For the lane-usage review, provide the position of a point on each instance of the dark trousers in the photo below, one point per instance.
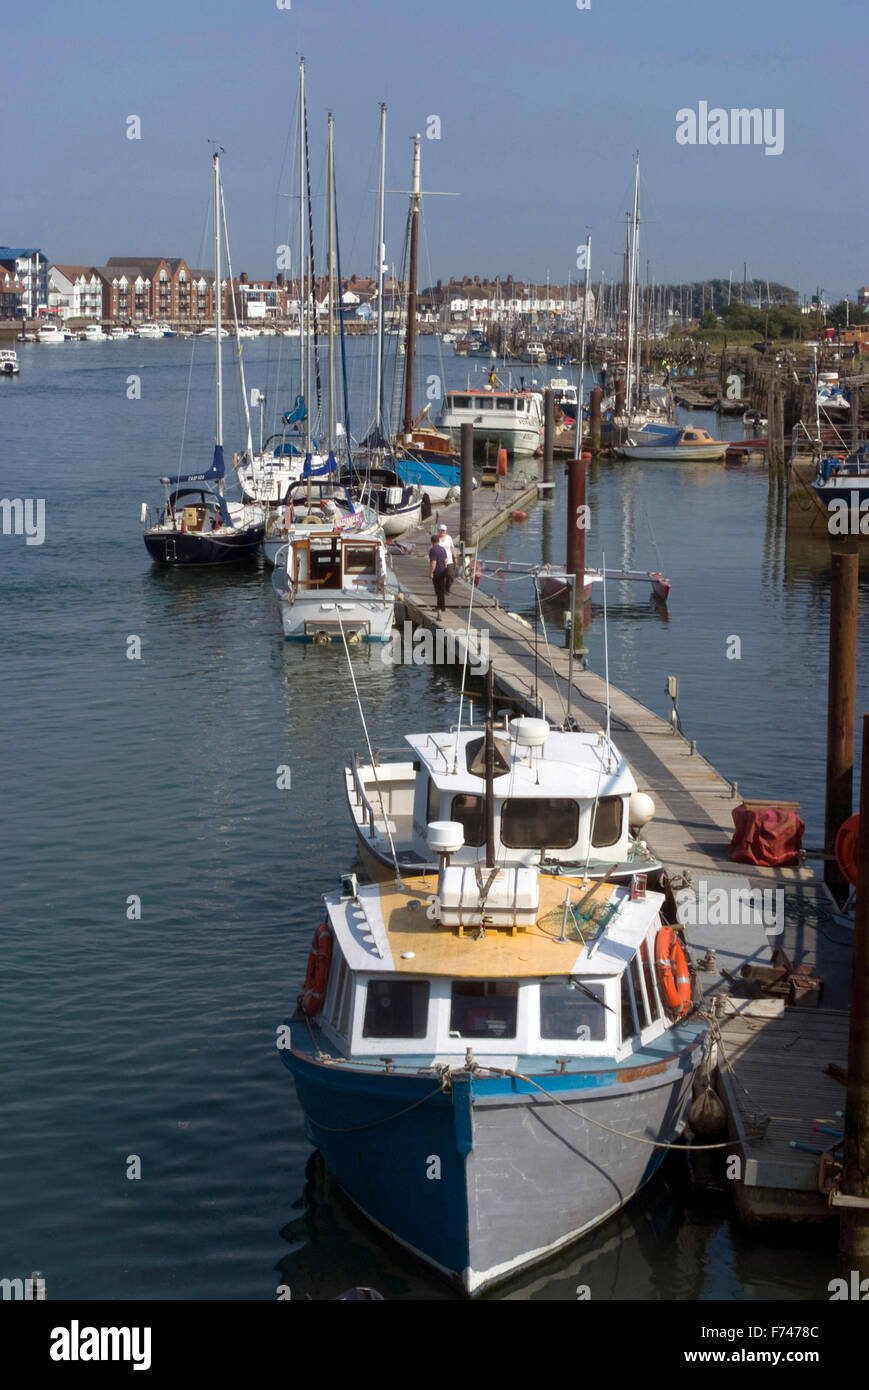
(440, 588)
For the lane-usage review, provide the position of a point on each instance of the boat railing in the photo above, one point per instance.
(361, 796)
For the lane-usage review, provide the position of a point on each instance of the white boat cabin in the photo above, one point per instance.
(580, 981)
(562, 798)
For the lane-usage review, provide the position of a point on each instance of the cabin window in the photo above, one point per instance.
(483, 403)
(360, 560)
(503, 404)
(345, 1001)
(640, 994)
(396, 1009)
(572, 1010)
(470, 813)
(545, 822)
(336, 984)
(649, 978)
(630, 1021)
(484, 1008)
(433, 802)
(520, 405)
(607, 828)
(460, 402)
(325, 572)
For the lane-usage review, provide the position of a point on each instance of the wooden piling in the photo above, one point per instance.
(576, 515)
(466, 503)
(549, 435)
(841, 701)
(594, 409)
(854, 1227)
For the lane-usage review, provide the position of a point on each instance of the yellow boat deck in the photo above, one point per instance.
(420, 946)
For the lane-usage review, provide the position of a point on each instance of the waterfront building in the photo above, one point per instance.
(30, 265)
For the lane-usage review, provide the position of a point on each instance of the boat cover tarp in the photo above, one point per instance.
(767, 835)
(330, 466)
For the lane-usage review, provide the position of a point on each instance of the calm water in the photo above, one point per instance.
(156, 779)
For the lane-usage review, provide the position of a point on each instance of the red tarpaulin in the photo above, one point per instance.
(768, 835)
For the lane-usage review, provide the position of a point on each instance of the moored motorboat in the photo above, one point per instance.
(334, 584)
(50, 333)
(505, 417)
(492, 1054)
(663, 444)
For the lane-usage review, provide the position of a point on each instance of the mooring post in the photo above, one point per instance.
(576, 521)
(594, 408)
(841, 702)
(466, 502)
(548, 437)
(854, 1223)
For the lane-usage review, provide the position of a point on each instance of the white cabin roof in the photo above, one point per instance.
(569, 764)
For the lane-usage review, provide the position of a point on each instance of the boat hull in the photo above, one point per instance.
(517, 441)
(704, 453)
(194, 548)
(520, 1174)
(366, 620)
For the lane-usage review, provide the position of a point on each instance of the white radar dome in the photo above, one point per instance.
(444, 836)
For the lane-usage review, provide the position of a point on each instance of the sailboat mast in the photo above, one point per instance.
(218, 425)
(381, 256)
(331, 215)
(410, 340)
(632, 293)
(303, 391)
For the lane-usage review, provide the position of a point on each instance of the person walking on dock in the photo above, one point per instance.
(445, 539)
(438, 570)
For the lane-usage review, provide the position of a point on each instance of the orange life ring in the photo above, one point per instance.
(317, 974)
(846, 847)
(674, 979)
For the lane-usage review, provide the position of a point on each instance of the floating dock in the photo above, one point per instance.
(774, 1055)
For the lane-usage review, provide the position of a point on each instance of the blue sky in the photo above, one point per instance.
(541, 109)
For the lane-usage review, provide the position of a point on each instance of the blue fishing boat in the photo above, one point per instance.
(492, 1057)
